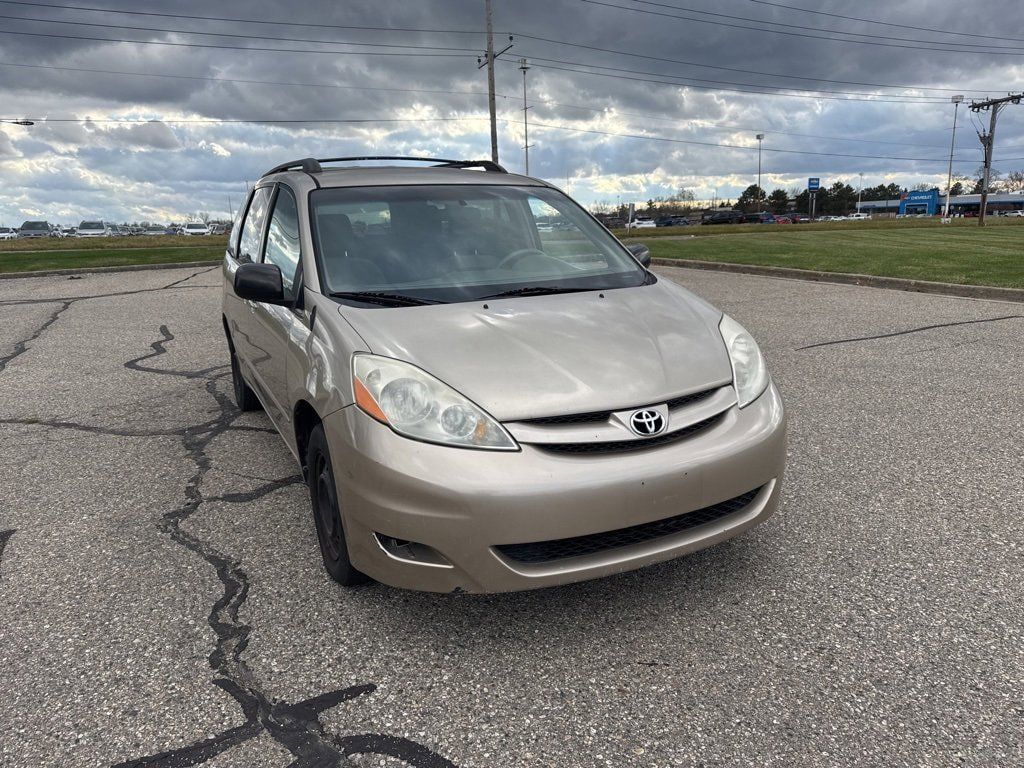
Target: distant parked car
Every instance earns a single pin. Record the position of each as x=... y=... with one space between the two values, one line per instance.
x=672 y=221
x=93 y=229
x=723 y=217
x=799 y=218
x=196 y=228
x=758 y=218
x=783 y=220
x=641 y=224
x=858 y=217
x=155 y=231
x=35 y=229
x=6 y=233
x=1015 y=214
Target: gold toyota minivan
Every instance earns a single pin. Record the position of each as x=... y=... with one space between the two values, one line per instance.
x=486 y=391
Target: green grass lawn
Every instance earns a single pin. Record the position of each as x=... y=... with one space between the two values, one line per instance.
x=21 y=261
x=71 y=252
x=712 y=230
x=963 y=254
x=110 y=243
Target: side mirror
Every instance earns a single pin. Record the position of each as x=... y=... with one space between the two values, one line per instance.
x=641 y=252
x=260 y=282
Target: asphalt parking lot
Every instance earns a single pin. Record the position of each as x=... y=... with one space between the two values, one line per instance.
x=162 y=601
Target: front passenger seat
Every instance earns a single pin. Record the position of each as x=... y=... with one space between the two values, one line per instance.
x=339 y=246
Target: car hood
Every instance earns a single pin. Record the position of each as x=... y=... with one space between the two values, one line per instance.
x=527 y=357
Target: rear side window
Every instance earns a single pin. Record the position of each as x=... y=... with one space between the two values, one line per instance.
x=252 y=228
x=283 y=238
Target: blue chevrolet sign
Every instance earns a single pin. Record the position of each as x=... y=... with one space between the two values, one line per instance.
x=813 y=184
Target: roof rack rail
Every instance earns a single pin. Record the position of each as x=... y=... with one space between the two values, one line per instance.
x=313 y=165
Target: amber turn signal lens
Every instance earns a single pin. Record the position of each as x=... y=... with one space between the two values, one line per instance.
x=365 y=401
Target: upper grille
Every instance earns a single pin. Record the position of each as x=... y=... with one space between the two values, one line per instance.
x=595 y=417
x=619 y=446
x=577 y=546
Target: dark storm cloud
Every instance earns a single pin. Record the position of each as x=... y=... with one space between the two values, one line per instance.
x=172 y=169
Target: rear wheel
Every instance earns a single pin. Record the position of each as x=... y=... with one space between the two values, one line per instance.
x=323 y=495
x=245 y=398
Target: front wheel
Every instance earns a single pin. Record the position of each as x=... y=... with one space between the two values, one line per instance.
x=323 y=494
x=245 y=398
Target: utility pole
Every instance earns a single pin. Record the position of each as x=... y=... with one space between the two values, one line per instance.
x=952 y=145
x=988 y=141
x=489 y=58
x=760 y=138
x=860 y=191
x=523 y=66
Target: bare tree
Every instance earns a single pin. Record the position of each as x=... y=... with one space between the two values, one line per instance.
x=1014 y=182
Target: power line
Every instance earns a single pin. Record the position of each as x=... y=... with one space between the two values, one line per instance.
x=771 y=91
x=676 y=84
x=987 y=46
x=533 y=102
x=994 y=51
x=347 y=121
x=916 y=28
x=241 y=21
x=247 y=81
x=239 y=36
x=251 y=120
x=826 y=31
x=740 y=146
x=737 y=69
x=234 y=47
x=536 y=38
x=739 y=86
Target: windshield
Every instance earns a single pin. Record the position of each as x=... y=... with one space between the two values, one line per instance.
x=462 y=242
x=91 y=225
x=195 y=226
x=32 y=225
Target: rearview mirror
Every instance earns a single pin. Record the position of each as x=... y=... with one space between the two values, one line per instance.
x=259 y=282
x=641 y=252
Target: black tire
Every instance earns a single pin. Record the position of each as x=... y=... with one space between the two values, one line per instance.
x=245 y=398
x=323 y=496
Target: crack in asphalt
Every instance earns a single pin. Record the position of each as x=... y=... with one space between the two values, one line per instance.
x=911 y=330
x=20 y=347
x=159 y=348
x=5 y=536
x=296 y=727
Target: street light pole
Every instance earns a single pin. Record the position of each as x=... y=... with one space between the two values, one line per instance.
x=952 y=145
x=860 y=191
x=760 y=138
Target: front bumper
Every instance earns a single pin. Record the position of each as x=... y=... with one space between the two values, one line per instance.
x=463 y=503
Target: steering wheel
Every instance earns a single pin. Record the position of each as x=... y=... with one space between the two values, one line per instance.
x=516 y=256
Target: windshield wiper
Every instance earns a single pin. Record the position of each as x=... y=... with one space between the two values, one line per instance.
x=384 y=299
x=535 y=290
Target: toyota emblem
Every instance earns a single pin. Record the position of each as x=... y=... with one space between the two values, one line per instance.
x=647 y=422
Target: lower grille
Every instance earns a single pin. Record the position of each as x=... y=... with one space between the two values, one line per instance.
x=620 y=446
x=577 y=546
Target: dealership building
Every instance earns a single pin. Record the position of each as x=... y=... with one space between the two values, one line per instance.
x=931 y=203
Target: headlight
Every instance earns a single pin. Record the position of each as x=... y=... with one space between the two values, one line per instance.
x=415 y=404
x=749 y=373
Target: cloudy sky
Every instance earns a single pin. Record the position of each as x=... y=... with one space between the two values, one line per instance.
x=159 y=115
